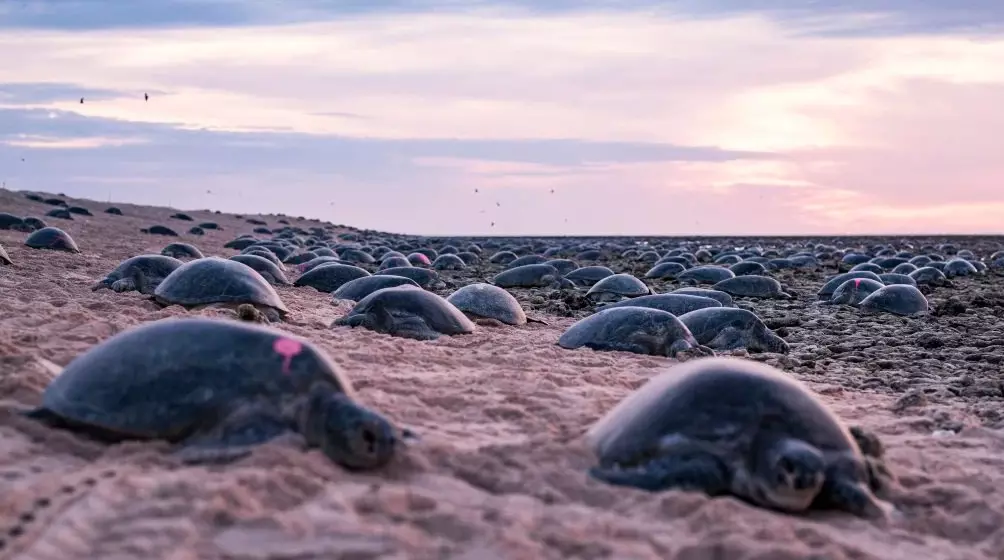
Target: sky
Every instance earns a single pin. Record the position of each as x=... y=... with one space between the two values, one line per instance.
x=528 y=117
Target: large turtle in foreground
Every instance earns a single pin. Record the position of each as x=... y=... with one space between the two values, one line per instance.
x=732 y=426
x=213 y=281
x=142 y=273
x=408 y=312
x=226 y=387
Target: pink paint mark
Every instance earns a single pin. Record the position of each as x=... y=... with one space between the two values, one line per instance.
x=857 y=282
x=287 y=348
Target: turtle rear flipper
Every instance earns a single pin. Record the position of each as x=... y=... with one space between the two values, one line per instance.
x=233 y=438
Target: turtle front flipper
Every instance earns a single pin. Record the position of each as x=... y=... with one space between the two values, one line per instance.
x=848 y=495
x=123 y=285
x=234 y=437
x=703 y=473
x=729 y=338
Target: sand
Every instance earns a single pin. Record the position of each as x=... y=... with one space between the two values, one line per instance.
x=500 y=472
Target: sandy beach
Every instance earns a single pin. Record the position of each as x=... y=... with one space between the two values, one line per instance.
x=501 y=468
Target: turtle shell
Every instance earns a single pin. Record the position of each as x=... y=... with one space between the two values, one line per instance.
x=486 y=300
x=721 y=400
x=216 y=280
x=125 y=385
x=52 y=238
x=620 y=284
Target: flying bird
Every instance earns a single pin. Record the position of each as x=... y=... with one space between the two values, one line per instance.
x=498 y=204
x=493 y=224
x=146 y=97
x=81 y=100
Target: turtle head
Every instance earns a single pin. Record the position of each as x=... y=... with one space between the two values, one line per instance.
x=348 y=433
x=791 y=475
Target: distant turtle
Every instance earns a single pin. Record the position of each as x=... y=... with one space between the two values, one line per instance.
x=12 y=222
x=394 y=261
x=316 y=262
x=113 y=210
x=854 y=291
x=867 y=267
x=448 y=262
x=564 y=266
x=752 y=286
x=734 y=426
x=929 y=275
x=225 y=387
x=471 y=259
x=959 y=267
x=526 y=259
x=409 y=312
x=34 y=223
x=182 y=251
x=330 y=277
x=80 y=210
x=895 y=278
x=531 y=276
x=419 y=259
x=356 y=256
x=617 y=287
x=52 y=238
x=268 y=269
x=502 y=257
x=304 y=258
x=484 y=301
x=665 y=270
x=904 y=268
x=899 y=299
x=61 y=213
x=4 y=257
x=719 y=296
x=265 y=254
x=641 y=330
x=732 y=328
x=422 y=276
x=677 y=304
x=196 y=230
x=216 y=282
x=359 y=288
x=209 y=225
x=141 y=273
x=826 y=292
x=588 y=275
x=159 y=230
x=182 y=216
x=240 y=243
x=705 y=274
x=748 y=267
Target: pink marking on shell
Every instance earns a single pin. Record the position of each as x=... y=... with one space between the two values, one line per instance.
x=857 y=282
x=287 y=348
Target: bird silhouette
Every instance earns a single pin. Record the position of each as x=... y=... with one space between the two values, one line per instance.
x=493 y=224
x=81 y=100
x=146 y=97
x=498 y=204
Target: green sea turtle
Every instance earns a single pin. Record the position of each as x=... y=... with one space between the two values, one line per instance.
x=240 y=243
x=752 y=286
x=564 y=266
x=448 y=261
x=744 y=268
x=216 y=282
x=502 y=257
x=826 y=292
x=113 y=210
x=52 y=238
x=182 y=251
x=531 y=276
x=356 y=256
x=731 y=328
x=959 y=267
x=196 y=230
x=929 y=275
x=734 y=426
x=182 y=216
x=268 y=269
x=588 y=275
x=719 y=296
x=899 y=299
x=142 y=273
x=705 y=274
x=159 y=230
x=394 y=261
x=409 y=312
x=330 y=277
x=640 y=330
x=854 y=291
x=896 y=278
x=61 y=213
x=677 y=304
x=34 y=223
x=355 y=290
x=665 y=270
x=422 y=276
x=15 y=223
x=79 y=210
x=526 y=259
x=481 y=301
x=307 y=257
x=617 y=287
x=227 y=387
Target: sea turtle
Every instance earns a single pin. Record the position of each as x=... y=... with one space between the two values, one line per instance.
x=899 y=299
x=240 y=243
x=904 y=269
x=589 y=255
x=731 y=328
x=182 y=216
x=159 y=230
x=752 y=286
x=705 y=274
x=833 y=283
x=12 y=222
x=52 y=238
x=719 y=296
x=471 y=259
x=225 y=388
x=959 y=267
x=502 y=257
x=394 y=261
x=356 y=256
x=526 y=259
x=304 y=258
x=422 y=276
x=4 y=257
x=665 y=270
x=588 y=275
x=531 y=276
x=617 y=287
x=61 y=213
x=34 y=223
x=268 y=269
x=265 y=254
x=182 y=251
x=677 y=304
x=734 y=426
x=316 y=262
x=854 y=291
x=482 y=301
x=867 y=267
x=408 y=312
x=142 y=273
x=419 y=259
x=330 y=277
x=748 y=267
x=896 y=278
x=196 y=230
x=359 y=288
x=113 y=210
x=929 y=275
x=448 y=261
x=210 y=225
x=217 y=282
x=641 y=330
x=80 y=210
x=564 y=266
